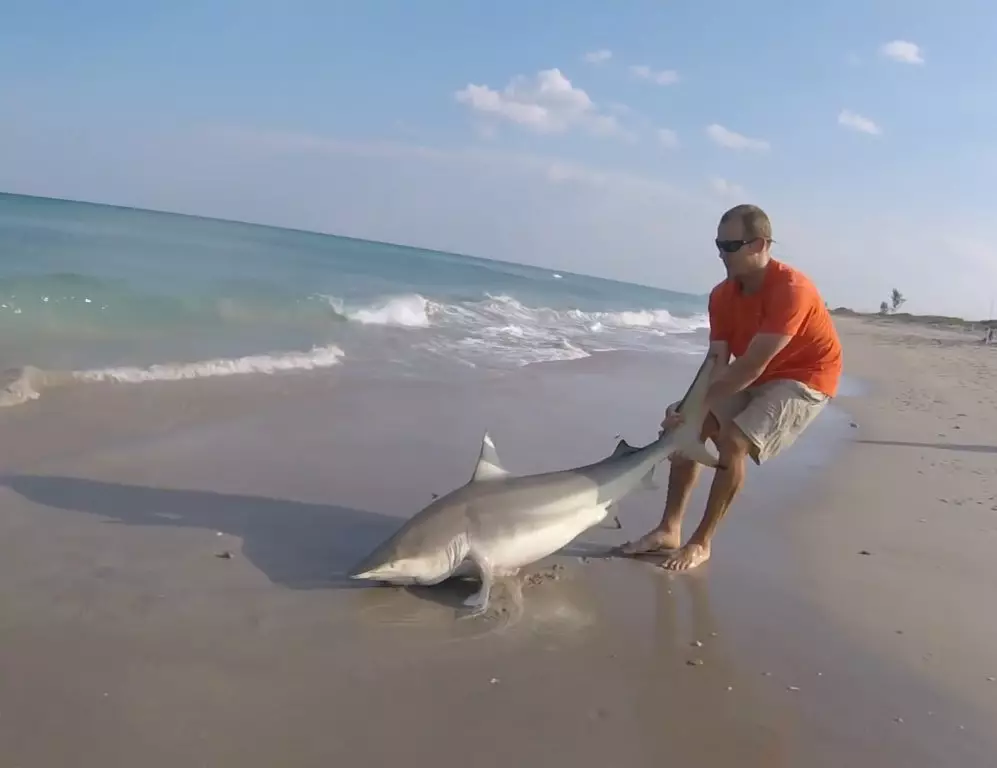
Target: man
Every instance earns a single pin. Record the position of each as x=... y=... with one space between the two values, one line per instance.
x=787 y=364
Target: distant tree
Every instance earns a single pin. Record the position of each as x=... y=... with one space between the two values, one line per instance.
x=884 y=308
x=896 y=299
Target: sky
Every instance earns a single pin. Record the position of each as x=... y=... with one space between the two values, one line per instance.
x=602 y=138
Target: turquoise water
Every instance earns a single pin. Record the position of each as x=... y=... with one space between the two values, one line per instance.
x=90 y=288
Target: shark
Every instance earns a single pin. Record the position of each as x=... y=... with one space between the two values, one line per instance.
x=497 y=523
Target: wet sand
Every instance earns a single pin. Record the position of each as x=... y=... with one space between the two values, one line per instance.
x=171 y=588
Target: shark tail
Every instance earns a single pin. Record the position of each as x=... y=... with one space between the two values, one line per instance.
x=699 y=452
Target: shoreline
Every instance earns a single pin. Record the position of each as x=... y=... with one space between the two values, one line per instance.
x=122 y=620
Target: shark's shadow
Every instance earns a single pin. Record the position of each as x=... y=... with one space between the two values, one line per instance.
x=295 y=544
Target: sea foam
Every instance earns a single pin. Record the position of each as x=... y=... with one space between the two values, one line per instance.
x=21 y=385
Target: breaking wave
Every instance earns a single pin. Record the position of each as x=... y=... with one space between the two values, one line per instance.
x=318 y=357
x=503 y=329
x=21 y=385
x=484 y=331
x=416 y=311
x=409 y=311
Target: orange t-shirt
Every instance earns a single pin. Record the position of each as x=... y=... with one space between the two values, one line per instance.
x=787 y=303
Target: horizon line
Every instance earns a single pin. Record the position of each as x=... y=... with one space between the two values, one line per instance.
x=353 y=238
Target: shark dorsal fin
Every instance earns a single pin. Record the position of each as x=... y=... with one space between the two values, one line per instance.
x=488 y=466
x=623 y=448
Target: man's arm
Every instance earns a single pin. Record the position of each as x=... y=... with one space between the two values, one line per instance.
x=785 y=312
x=743 y=372
x=719 y=333
x=720 y=349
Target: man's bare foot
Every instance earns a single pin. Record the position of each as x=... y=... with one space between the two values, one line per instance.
x=689 y=556
x=653 y=542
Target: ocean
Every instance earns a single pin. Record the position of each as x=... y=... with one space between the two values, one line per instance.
x=101 y=293
x=331 y=388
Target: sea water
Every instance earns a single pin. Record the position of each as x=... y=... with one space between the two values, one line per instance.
x=97 y=292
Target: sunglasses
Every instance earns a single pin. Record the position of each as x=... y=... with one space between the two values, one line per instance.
x=731 y=246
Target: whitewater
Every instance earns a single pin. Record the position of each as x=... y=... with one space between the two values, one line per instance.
x=93 y=294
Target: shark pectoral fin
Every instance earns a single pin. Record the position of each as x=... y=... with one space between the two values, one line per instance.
x=488 y=466
x=699 y=452
x=478 y=602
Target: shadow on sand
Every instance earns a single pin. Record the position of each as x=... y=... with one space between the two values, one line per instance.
x=939 y=446
x=295 y=544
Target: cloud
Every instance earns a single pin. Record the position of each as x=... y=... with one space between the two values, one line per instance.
x=546 y=103
x=855 y=122
x=726 y=188
x=731 y=140
x=902 y=51
x=668 y=138
x=599 y=56
x=660 y=77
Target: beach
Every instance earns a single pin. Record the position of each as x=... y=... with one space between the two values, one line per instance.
x=172 y=589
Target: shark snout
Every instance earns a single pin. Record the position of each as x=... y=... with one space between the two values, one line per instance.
x=379 y=569
x=368 y=570
x=409 y=570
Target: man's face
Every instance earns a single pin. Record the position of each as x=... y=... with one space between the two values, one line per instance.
x=737 y=255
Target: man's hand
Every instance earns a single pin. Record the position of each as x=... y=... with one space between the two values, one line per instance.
x=722 y=353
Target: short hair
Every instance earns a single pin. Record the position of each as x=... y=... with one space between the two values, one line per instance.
x=754 y=221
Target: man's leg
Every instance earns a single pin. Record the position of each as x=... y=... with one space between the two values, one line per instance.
x=734 y=448
x=682 y=477
x=777 y=414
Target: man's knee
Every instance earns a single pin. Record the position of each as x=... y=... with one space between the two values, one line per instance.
x=733 y=444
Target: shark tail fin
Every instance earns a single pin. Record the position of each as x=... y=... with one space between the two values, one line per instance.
x=702 y=454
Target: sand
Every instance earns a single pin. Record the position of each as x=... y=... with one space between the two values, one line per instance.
x=171 y=589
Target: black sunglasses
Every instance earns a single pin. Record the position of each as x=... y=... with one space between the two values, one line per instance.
x=731 y=246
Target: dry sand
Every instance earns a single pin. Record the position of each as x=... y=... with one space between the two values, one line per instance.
x=126 y=639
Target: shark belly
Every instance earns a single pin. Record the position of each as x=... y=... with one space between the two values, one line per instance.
x=536 y=539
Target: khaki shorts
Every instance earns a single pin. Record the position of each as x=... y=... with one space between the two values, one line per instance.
x=772 y=415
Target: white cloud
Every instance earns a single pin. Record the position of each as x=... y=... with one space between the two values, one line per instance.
x=726 y=188
x=855 y=122
x=668 y=138
x=547 y=103
x=599 y=56
x=903 y=51
x=731 y=140
x=660 y=77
